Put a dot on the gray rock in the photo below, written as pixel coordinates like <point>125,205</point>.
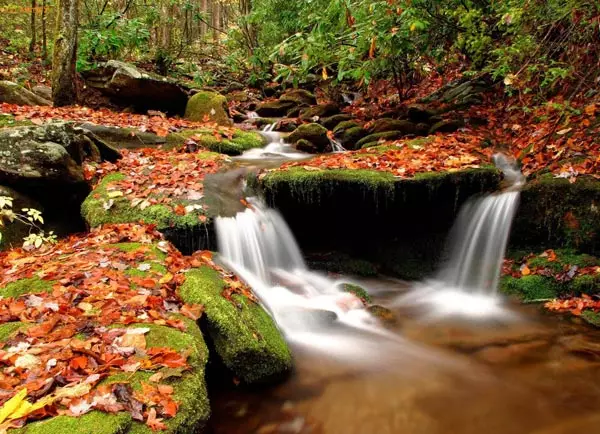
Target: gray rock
<point>123,137</point>
<point>43,91</point>
<point>12,93</point>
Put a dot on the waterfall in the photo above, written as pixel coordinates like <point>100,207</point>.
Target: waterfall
<point>276,148</point>
<point>308,307</point>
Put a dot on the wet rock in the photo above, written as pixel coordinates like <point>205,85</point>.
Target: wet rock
<point>313,133</point>
<point>299,97</point>
<point>126,85</point>
<point>209,106</point>
<point>384,314</point>
<point>12,93</point>
<point>274,109</point>
<point>43,91</point>
<point>342,126</point>
<point>349,138</point>
<point>304,145</point>
<point>386,124</point>
<point>447,126</point>
<point>357,290</point>
<point>333,121</point>
<point>319,111</point>
<point>374,139</point>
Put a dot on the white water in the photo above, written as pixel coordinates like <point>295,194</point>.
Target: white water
<point>467,284</point>
<point>310,309</point>
<point>276,149</point>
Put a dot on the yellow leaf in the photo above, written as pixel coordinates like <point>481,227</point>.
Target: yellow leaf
<point>324,74</point>
<point>166,278</point>
<point>113,194</point>
<point>413,27</point>
<point>372,48</point>
<point>525,271</point>
<point>12,404</point>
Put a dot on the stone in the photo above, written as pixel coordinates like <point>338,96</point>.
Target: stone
<point>124,137</point>
<point>304,145</point>
<point>447,126</point>
<point>419,113</point>
<point>299,97</point>
<point>274,109</point>
<point>43,91</point>
<point>314,133</point>
<point>333,121</point>
<point>208,107</point>
<point>386,124</point>
<point>349,138</point>
<point>319,111</point>
<point>377,137</point>
<point>12,93</point>
<point>126,85</point>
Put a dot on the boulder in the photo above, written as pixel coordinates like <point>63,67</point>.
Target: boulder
<point>374,139</point>
<point>244,336</point>
<point>124,137</point>
<point>386,124</point>
<point>12,93</point>
<point>447,126</point>
<point>236,144</point>
<point>304,145</point>
<point>333,121</point>
<point>314,133</point>
<point>319,111</point>
<point>126,85</point>
<point>208,107</point>
<point>346,125</point>
<point>419,113</point>
<point>43,91</point>
<point>350,137</point>
<point>274,109</point>
<point>299,97</point>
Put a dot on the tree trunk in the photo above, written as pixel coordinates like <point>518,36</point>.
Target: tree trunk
<point>203,26</point>
<point>64,90</point>
<point>44,42</point>
<point>216,21</point>
<point>32,42</point>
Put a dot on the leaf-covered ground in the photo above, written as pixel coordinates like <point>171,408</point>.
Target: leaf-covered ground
<point>75,315</point>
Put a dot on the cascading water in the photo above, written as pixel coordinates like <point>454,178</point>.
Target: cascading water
<point>276,149</point>
<point>468,282</point>
<point>310,309</point>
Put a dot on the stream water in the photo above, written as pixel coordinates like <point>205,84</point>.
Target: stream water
<point>496,367</point>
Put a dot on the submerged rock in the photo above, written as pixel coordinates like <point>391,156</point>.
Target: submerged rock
<point>243,334</point>
<point>208,107</point>
<point>12,93</point>
<point>127,85</point>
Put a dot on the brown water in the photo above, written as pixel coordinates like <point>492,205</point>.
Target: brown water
<point>538,376</point>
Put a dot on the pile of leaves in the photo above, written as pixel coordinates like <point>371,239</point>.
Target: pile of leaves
<point>80,331</point>
<point>406,158</point>
<point>158,124</point>
<point>158,177</point>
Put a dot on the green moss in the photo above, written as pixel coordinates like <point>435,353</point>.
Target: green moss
<point>377,137</point>
<point>95,214</point>
<point>346,125</point>
<point>32,285</point>
<point>9,121</point>
<point>530,288</point>
<point>95,422</point>
<point>587,284</point>
<point>8,329</point>
<point>314,133</point>
<point>209,106</point>
<point>358,291</point>
<point>564,259</point>
<point>239,142</point>
<point>153,251</point>
<point>591,317</point>
<point>244,335</point>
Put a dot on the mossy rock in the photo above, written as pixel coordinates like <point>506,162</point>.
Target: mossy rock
<point>333,121</point>
<point>274,109</point>
<point>349,138</point>
<point>299,97</point>
<point>556,213</point>
<point>343,126</point>
<point>314,133</point>
<point>371,139</point>
<point>304,145</point>
<point>447,126</point>
<point>530,288</point>
<point>386,124</point>
<point>358,291</point>
<point>383,314</point>
<point>319,111</point>
<point>239,142</point>
<point>96,212</point>
<point>244,335</point>
<point>208,106</point>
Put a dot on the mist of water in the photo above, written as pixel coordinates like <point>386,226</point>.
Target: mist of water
<point>276,148</point>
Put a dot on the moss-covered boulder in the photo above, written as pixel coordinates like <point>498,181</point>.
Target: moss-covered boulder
<point>447,126</point>
<point>374,139</point>
<point>358,291</point>
<point>333,121</point>
<point>313,133</point>
<point>552,274</point>
<point>299,97</point>
<point>231,142</point>
<point>208,107</point>
<point>555,213</point>
<point>319,111</point>
<point>386,124</point>
<point>275,109</point>
<point>12,93</point>
<point>243,334</point>
<point>343,126</point>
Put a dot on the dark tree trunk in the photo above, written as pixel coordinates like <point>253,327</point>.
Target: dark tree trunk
<point>44,42</point>
<point>33,39</point>
<point>64,90</point>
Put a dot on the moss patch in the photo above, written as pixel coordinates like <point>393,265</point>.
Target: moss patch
<point>95,422</point>
<point>209,106</point>
<point>32,285</point>
<point>244,335</point>
<point>9,121</point>
<point>8,329</point>
<point>239,142</point>
<point>359,291</point>
<point>591,317</point>
<point>530,288</point>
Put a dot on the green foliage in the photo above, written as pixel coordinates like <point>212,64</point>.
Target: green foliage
<point>29,217</point>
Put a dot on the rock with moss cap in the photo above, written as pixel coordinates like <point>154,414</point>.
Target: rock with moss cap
<point>386,124</point>
<point>313,133</point>
<point>232,142</point>
<point>319,111</point>
<point>350,137</point>
<point>243,334</point>
<point>275,109</point>
<point>333,121</point>
<point>299,97</point>
<point>374,139</point>
<point>208,107</point>
<point>12,93</point>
